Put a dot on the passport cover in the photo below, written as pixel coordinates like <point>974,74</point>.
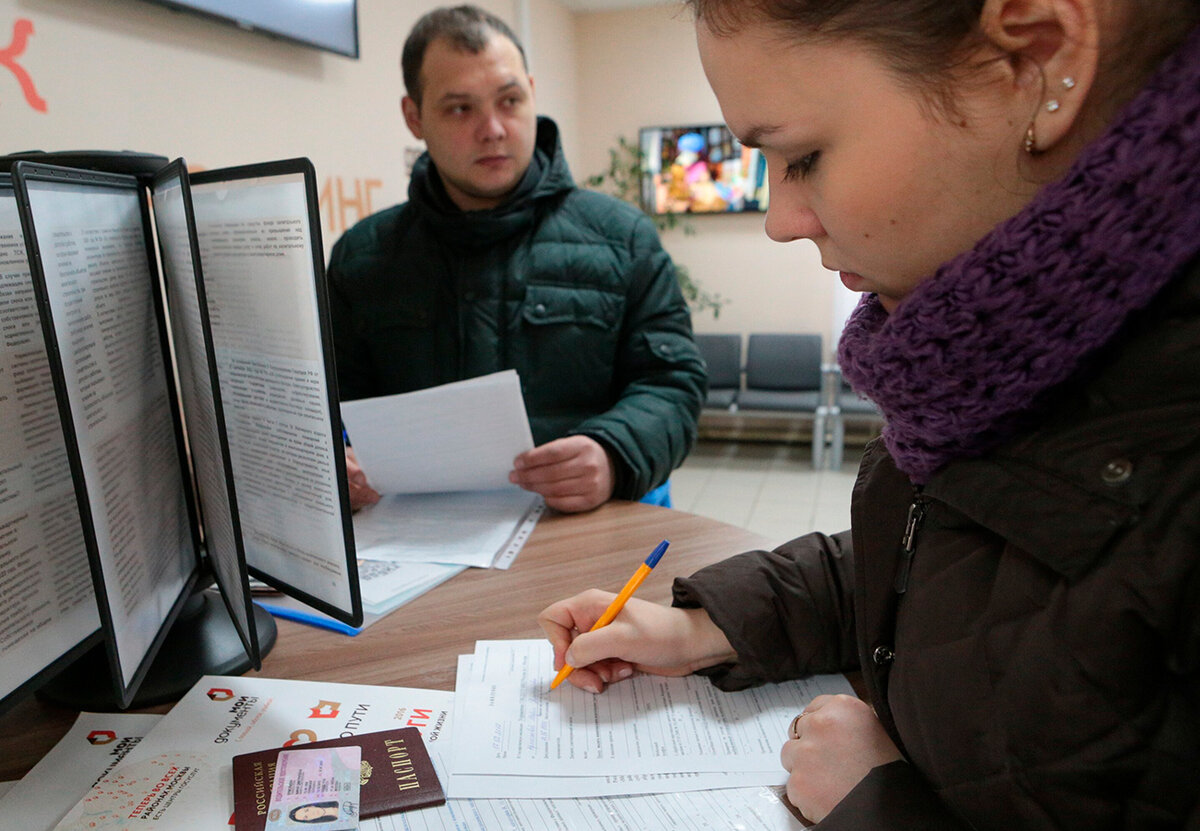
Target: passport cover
<point>396,775</point>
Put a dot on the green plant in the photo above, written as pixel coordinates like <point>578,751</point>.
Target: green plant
<point>623,179</point>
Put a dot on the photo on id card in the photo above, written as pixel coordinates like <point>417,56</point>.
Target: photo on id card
<point>316,788</point>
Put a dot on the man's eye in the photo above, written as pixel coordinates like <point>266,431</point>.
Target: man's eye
<point>800,168</point>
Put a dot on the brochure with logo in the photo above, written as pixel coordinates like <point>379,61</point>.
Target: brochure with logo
<point>94,746</point>
<point>181,775</point>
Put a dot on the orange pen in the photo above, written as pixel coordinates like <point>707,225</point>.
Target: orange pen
<point>619,601</point>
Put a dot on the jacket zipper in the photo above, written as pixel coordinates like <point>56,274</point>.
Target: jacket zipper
<point>908,544</point>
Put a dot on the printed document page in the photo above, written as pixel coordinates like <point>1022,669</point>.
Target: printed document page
<point>512,723</point>
<point>44,574</point>
<point>94,745</point>
<point>464,528</point>
<point>487,786</point>
<point>256,259</point>
<point>100,289</point>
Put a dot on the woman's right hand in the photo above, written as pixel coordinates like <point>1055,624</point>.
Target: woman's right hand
<point>644,637</point>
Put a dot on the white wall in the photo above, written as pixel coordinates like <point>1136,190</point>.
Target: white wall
<point>639,68</point>
<point>127,74</point>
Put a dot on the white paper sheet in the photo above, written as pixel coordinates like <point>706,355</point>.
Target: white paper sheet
<point>456,437</point>
<point>94,745</point>
<point>485,786</point>
<point>462,527</point>
<point>513,724</point>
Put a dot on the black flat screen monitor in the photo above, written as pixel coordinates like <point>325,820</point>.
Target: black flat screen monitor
<point>700,169</point>
<point>331,25</point>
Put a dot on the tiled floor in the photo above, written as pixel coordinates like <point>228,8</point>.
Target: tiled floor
<point>770,489</point>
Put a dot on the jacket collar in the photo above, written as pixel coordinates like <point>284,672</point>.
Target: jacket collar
<point>546,176</point>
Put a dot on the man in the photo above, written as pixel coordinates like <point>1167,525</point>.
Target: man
<point>498,261</point>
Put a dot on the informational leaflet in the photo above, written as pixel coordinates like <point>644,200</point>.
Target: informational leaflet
<point>513,724</point>
<point>100,293</point>
<point>179,778</point>
<point>49,603</point>
<point>94,745</point>
<point>256,254</point>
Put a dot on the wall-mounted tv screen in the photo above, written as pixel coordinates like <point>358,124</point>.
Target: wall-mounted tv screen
<point>700,169</point>
<point>331,25</point>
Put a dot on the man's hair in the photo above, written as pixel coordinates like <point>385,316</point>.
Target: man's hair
<point>468,28</point>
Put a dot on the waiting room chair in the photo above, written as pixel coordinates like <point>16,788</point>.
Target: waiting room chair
<point>783,372</point>
<point>723,356</point>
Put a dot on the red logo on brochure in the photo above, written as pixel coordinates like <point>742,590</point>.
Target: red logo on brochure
<point>220,694</point>
<point>325,709</point>
<point>101,737</point>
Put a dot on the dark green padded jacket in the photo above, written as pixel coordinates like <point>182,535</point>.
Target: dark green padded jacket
<point>570,288</point>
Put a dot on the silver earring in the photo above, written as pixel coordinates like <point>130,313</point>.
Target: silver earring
<point>1030,141</point>
<point>1068,82</point>
<point>1052,105</point>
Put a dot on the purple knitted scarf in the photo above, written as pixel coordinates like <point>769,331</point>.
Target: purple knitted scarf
<point>960,364</point>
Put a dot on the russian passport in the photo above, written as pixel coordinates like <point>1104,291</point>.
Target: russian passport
<point>394,774</point>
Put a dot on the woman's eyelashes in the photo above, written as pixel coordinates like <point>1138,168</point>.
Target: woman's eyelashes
<point>801,168</point>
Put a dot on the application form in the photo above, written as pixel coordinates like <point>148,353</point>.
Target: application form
<point>509,723</point>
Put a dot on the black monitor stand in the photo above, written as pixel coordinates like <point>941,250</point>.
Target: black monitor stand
<point>203,641</point>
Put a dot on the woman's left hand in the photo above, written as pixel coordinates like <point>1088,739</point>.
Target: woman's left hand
<point>830,750</point>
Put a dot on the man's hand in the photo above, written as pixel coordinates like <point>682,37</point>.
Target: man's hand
<point>361,493</point>
<point>830,750</point>
<point>573,474</point>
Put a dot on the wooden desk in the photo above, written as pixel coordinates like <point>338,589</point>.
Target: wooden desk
<point>418,644</point>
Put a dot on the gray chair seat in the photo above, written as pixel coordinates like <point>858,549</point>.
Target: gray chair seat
<point>802,401</point>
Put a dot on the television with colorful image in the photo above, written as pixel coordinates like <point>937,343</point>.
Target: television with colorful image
<point>700,169</point>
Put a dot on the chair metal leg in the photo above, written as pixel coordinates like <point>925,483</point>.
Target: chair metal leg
<point>838,442</point>
<point>818,437</point>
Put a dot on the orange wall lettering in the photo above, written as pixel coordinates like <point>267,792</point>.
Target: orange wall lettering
<point>344,202</point>
<point>22,29</point>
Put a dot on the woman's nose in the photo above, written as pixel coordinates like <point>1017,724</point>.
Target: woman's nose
<point>791,219</point>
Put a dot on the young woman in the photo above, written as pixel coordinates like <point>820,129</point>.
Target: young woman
<point>1015,186</point>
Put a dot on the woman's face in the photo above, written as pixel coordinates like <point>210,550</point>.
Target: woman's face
<point>886,186</point>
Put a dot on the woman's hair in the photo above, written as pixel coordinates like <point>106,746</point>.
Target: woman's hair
<point>323,818</point>
<point>926,42</point>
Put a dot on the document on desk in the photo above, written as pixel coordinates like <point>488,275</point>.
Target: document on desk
<point>485,786</point>
<point>511,723</point>
<point>180,777</point>
<point>94,745</point>
<point>440,459</point>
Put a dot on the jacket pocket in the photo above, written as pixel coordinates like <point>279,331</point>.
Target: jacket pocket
<point>572,305</point>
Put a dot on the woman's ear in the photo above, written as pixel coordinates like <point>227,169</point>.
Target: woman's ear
<point>1053,47</point>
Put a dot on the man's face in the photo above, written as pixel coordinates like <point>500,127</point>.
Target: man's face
<point>477,119</point>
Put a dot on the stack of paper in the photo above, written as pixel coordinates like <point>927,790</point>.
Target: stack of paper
<point>649,734</point>
<point>440,459</point>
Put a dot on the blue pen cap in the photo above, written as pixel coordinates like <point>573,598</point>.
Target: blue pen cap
<point>657,553</point>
